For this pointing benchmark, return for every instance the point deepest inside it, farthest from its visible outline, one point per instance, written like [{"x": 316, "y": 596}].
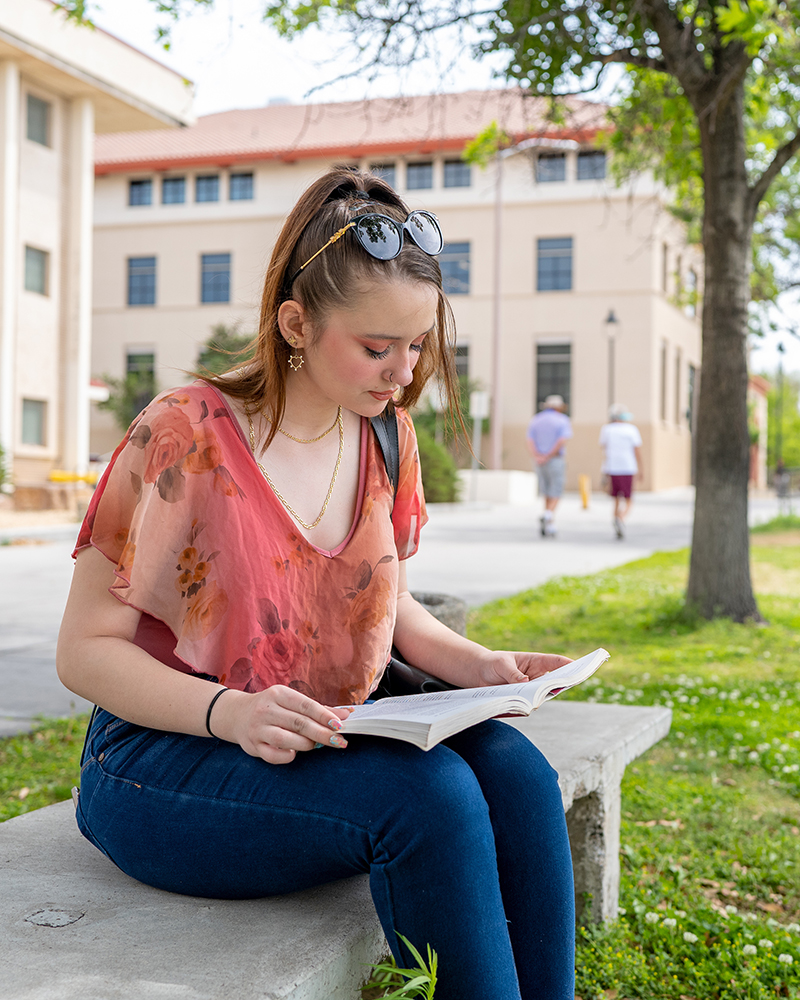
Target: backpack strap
[{"x": 385, "y": 427}]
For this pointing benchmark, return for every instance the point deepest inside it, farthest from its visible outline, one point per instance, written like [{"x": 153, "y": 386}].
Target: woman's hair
[{"x": 332, "y": 281}]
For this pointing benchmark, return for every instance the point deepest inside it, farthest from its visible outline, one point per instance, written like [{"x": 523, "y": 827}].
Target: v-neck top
[{"x": 227, "y": 585}]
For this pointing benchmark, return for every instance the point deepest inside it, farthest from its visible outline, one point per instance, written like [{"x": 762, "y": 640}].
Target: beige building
[
  {"x": 60, "y": 84},
  {"x": 595, "y": 296}
]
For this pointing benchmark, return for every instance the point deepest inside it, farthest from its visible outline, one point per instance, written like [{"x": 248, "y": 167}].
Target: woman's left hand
[{"x": 503, "y": 667}]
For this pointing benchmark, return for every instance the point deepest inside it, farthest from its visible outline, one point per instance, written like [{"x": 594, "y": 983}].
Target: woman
[{"x": 240, "y": 578}]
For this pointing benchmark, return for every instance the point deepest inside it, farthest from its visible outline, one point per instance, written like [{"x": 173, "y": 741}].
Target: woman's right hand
[{"x": 276, "y": 723}]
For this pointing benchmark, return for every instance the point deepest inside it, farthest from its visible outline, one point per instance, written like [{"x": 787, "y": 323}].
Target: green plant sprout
[{"x": 406, "y": 984}]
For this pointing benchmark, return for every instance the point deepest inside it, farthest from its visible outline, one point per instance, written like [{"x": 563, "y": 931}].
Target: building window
[
  {"x": 454, "y": 262},
  {"x": 141, "y": 281},
  {"x": 140, "y": 363},
  {"x": 215, "y": 277},
  {"x": 664, "y": 268},
  {"x": 386, "y": 171},
  {"x": 677, "y": 388},
  {"x": 34, "y": 413},
  {"x": 240, "y": 187},
  {"x": 554, "y": 264},
  {"x": 173, "y": 191},
  {"x": 551, "y": 167},
  {"x": 206, "y": 188},
  {"x": 457, "y": 174},
  {"x": 691, "y": 292},
  {"x": 419, "y": 176},
  {"x": 690, "y": 396},
  {"x": 591, "y": 165},
  {"x": 38, "y": 113},
  {"x": 462, "y": 360},
  {"x": 662, "y": 397},
  {"x": 140, "y": 192},
  {"x": 36, "y": 270},
  {"x": 140, "y": 367},
  {"x": 553, "y": 372}
]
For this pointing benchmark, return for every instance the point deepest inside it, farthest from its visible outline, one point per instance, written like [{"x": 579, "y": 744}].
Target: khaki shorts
[{"x": 551, "y": 477}]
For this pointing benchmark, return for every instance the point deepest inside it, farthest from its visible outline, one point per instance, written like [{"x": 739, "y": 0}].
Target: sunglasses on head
[{"x": 382, "y": 237}]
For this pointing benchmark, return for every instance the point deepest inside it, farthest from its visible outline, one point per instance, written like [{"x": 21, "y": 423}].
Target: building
[
  {"x": 595, "y": 297},
  {"x": 60, "y": 84}
]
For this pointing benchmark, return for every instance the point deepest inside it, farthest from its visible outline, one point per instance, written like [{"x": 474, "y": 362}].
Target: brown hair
[{"x": 331, "y": 281}]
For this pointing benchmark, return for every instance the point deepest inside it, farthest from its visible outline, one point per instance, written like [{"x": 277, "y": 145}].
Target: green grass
[
  {"x": 39, "y": 768},
  {"x": 711, "y": 816}
]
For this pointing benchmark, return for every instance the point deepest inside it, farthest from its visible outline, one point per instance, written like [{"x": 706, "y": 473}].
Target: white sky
[{"x": 237, "y": 61}]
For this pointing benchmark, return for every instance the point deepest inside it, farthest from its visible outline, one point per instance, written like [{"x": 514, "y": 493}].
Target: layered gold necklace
[{"x": 319, "y": 437}]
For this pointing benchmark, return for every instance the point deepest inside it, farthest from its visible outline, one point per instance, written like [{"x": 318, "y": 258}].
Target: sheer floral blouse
[{"x": 227, "y": 585}]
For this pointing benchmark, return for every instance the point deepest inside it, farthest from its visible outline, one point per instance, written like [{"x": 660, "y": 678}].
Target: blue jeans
[{"x": 465, "y": 845}]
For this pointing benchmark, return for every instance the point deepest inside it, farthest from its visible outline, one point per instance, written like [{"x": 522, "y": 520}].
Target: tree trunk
[{"x": 719, "y": 575}]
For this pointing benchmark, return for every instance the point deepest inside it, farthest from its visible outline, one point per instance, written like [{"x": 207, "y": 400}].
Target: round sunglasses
[{"x": 382, "y": 237}]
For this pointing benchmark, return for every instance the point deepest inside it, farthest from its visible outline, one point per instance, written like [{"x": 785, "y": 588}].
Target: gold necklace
[
  {"x": 319, "y": 437},
  {"x": 291, "y": 509}
]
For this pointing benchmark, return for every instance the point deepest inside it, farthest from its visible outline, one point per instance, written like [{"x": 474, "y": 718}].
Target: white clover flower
[
  {"x": 749, "y": 949},
  {"x": 752, "y": 755},
  {"x": 622, "y": 911},
  {"x": 785, "y": 959},
  {"x": 765, "y": 943},
  {"x": 712, "y": 753},
  {"x": 681, "y": 913},
  {"x": 691, "y": 938},
  {"x": 669, "y": 922},
  {"x": 731, "y": 909},
  {"x": 651, "y": 918},
  {"x": 793, "y": 927}
]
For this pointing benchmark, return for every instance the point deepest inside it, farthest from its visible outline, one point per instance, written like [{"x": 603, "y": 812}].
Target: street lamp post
[
  {"x": 611, "y": 323},
  {"x": 779, "y": 408}
]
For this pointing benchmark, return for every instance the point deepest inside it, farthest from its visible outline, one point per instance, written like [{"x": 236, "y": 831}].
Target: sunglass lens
[
  {"x": 425, "y": 232},
  {"x": 379, "y": 235}
]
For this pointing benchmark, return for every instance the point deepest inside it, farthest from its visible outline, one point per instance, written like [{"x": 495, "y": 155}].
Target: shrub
[{"x": 439, "y": 473}]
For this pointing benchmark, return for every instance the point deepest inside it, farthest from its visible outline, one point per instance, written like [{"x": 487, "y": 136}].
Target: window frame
[
  {"x": 456, "y": 256},
  {"x": 555, "y": 383},
  {"x": 142, "y": 274},
  {"x": 591, "y": 156},
  {"x": 31, "y": 100},
  {"x": 41, "y": 421},
  {"x": 171, "y": 183},
  {"x": 415, "y": 167},
  {"x": 236, "y": 177},
  {"x": 199, "y": 182},
  {"x": 44, "y": 259},
  {"x": 140, "y": 184},
  {"x": 552, "y": 253},
  {"x": 209, "y": 278},
  {"x": 548, "y": 157},
  {"x": 454, "y": 172},
  {"x": 383, "y": 169}
]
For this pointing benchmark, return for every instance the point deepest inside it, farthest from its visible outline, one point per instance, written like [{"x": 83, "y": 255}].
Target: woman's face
[{"x": 363, "y": 354}]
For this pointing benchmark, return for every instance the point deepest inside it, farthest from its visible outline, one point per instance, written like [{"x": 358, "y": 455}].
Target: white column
[
  {"x": 77, "y": 339},
  {"x": 9, "y": 252}
]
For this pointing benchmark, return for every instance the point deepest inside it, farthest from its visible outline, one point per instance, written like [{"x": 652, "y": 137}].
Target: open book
[{"x": 427, "y": 719}]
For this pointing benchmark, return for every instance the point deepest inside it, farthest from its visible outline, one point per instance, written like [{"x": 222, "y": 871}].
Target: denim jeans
[{"x": 465, "y": 845}]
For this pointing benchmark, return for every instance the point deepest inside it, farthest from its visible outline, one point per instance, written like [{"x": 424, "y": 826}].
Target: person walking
[
  {"x": 548, "y": 433},
  {"x": 622, "y": 444}
]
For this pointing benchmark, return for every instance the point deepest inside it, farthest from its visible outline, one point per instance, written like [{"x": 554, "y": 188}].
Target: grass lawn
[{"x": 710, "y": 892}]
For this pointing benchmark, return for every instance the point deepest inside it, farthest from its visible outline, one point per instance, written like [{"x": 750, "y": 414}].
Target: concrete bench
[{"x": 73, "y": 927}]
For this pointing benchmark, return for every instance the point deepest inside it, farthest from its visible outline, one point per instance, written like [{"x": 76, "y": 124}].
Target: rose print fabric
[{"x": 227, "y": 584}]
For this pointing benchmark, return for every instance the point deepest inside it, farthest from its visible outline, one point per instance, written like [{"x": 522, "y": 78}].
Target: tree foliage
[
  {"x": 225, "y": 348},
  {"x": 128, "y": 396}
]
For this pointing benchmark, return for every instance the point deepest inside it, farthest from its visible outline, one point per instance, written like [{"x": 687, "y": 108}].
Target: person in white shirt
[{"x": 622, "y": 444}]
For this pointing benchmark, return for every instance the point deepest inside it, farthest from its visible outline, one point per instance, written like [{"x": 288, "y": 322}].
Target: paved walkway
[{"x": 477, "y": 552}]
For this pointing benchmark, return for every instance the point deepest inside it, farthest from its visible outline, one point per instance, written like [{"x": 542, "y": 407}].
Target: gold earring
[{"x": 295, "y": 360}]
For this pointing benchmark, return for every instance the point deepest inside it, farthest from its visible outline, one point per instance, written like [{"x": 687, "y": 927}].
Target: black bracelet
[{"x": 210, "y": 707}]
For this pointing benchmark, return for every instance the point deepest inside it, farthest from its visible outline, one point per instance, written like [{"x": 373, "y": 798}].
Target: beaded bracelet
[{"x": 210, "y": 707}]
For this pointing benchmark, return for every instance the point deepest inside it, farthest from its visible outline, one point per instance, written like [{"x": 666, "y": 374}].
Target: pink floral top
[{"x": 227, "y": 585}]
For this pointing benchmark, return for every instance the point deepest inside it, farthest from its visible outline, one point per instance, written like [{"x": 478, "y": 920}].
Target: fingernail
[
  {"x": 338, "y": 741},
  {"x": 318, "y": 746},
  {"x": 334, "y": 724}
]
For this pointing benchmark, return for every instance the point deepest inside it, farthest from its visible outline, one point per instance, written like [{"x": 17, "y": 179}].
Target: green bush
[{"x": 439, "y": 474}]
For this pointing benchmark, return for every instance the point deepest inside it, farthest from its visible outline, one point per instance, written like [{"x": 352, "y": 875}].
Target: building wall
[{"x": 618, "y": 240}]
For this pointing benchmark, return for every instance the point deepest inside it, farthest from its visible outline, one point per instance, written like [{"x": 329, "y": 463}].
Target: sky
[{"x": 237, "y": 61}]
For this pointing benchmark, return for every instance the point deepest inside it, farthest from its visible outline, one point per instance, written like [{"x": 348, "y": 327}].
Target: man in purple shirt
[{"x": 548, "y": 432}]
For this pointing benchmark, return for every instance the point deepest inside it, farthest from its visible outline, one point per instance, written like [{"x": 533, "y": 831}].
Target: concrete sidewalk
[{"x": 476, "y": 552}]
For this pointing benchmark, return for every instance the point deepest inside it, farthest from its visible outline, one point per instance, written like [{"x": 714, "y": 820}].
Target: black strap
[{"x": 385, "y": 427}]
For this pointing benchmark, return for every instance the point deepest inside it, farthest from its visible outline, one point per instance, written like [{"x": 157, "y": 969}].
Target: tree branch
[
  {"x": 779, "y": 161},
  {"x": 628, "y": 57}
]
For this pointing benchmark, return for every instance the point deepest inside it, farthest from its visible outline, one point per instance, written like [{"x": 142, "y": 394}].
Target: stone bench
[{"x": 73, "y": 927}]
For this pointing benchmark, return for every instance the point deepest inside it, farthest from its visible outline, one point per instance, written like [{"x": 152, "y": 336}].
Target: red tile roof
[{"x": 348, "y": 130}]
